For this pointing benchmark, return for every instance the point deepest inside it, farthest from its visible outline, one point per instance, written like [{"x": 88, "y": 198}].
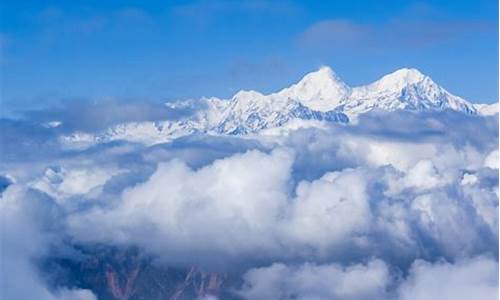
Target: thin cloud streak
[{"x": 347, "y": 35}]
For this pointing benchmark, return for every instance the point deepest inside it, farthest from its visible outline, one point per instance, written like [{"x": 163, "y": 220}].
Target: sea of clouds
[{"x": 399, "y": 206}]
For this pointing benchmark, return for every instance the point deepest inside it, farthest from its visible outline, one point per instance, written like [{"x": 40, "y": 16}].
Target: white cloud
[
  {"x": 243, "y": 204},
  {"x": 62, "y": 183},
  {"x": 475, "y": 278},
  {"x": 471, "y": 279},
  {"x": 65, "y": 294},
  {"x": 28, "y": 221},
  {"x": 309, "y": 281},
  {"x": 469, "y": 179},
  {"x": 329, "y": 211},
  {"x": 318, "y": 213},
  {"x": 228, "y": 207},
  {"x": 423, "y": 176},
  {"x": 491, "y": 161}
]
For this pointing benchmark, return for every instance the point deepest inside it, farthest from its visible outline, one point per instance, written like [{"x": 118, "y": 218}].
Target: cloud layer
[{"x": 383, "y": 209}]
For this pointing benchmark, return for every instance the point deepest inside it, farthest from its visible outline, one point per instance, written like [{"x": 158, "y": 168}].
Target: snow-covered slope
[
  {"x": 205, "y": 114},
  {"x": 250, "y": 112},
  {"x": 322, "y": 90},
  {"x": 487, "y": 109},
  {"x": 320, "y": 97},
  {"x": 404, "y": 89}
]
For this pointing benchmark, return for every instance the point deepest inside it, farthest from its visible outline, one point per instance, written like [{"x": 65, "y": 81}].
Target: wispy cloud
[
  {"x": 203, "y": 12},
  {"x": 57, "y": 19},
  {"x": 341, "y": 35}
]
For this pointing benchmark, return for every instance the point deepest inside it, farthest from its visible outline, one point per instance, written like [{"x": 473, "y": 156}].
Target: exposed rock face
[
  {"x": 125, "y": 274},
  {"x": 201, "y": 283},
  {"x": 118, "y": 290}
]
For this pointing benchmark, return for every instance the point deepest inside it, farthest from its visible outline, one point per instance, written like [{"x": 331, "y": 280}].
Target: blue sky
[{"x": 53, "y": 51}]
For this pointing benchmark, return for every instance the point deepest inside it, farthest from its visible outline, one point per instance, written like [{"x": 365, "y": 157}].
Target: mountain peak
[
  {"x": 408, "y": 74},
  {"x": 401, "y": 78},
  {"x": 321, "y": 90},
  {"x": 404, "y": 89},
  {"x": 324, "y": 75},
  {"x": 247, "y": 94}
]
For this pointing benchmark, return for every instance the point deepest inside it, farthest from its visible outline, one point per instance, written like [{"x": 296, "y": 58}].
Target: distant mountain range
[{"x": 320, "y": 97}]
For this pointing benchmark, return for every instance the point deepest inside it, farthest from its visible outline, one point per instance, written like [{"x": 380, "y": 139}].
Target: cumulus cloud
[
  {"x": 29, "y": 228},
  {"x": 214, "y": 210},
  {"x": 491, "y": 161},
  {"x": 371, "y": 210},
  {"x": 330, "y": 212},
  {"x": 61, "y": 183},
  {"x": 465, "y": 279},
  {"x": 309, "y": 281},
  {"x": 346, "y": 214},
  {"x": 470, "y": 279}
]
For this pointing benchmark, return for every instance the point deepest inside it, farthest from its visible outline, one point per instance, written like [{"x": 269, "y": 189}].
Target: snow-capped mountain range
[{"x": 319, "y": 97}]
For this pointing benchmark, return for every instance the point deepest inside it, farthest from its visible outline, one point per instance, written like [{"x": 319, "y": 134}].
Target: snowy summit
[{"x": 319, "y": 97}]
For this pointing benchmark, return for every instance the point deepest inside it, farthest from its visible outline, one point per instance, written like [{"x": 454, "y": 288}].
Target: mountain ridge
[
  {"x": 405, "y": 88},
  {"x": 320, "y": 96}
]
